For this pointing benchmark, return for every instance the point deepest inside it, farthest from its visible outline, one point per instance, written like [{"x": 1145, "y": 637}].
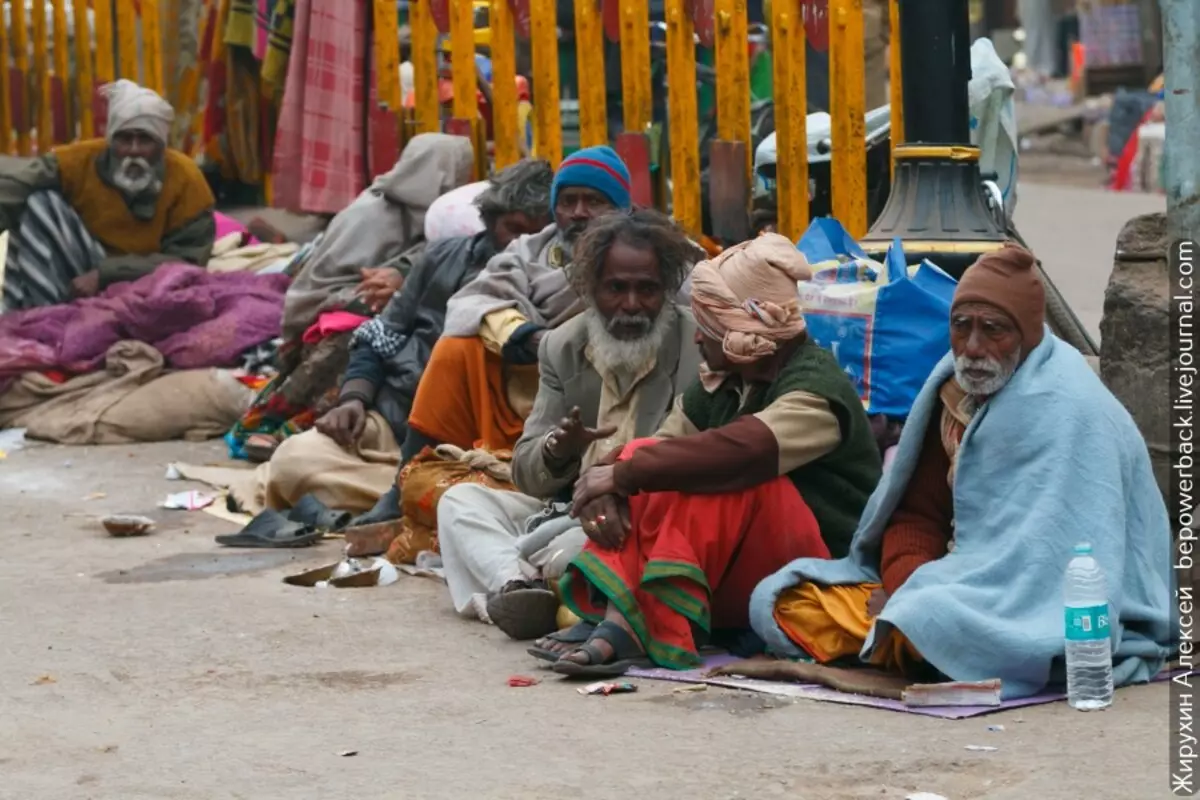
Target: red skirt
[{"x": 692, "y": 559}]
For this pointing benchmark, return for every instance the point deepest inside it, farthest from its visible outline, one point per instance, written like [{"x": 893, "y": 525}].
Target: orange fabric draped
[{"x": 462, "y": 398}]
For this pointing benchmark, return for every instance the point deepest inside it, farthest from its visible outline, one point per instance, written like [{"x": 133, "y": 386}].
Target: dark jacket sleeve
[{"x": 192, "y": 243}]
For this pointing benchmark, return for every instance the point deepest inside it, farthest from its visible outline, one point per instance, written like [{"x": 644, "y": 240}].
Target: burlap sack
[{"x": 426, "y": 478}]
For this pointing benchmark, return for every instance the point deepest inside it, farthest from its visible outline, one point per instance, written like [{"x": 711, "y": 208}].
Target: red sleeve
[
  {"x": 730, "y": 458},
  {"x": 920, "y": 528}
]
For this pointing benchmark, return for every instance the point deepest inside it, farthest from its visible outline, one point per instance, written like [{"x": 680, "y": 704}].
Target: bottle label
[{"x": 1087, "y": 624}]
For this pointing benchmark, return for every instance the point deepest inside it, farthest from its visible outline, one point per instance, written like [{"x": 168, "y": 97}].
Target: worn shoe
[{"x": 524, "y": 610}]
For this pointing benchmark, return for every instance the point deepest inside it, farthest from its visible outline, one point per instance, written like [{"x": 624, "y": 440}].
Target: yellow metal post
[
  {"x": 733, "y": 74},
  {"x": 387, "y": 55},
  {"x": 41, "y": 77},
  {"x": 847, "y": 100},
  {"x": 895, "y": 85},
  {"x": 83, "y": 71},
  {"x": 635, "y": 64},
  {"x": 682, "y": 111},
  {"x": 105, "y": 70},
  {"x": 152, "y": 47},
  {"x": 21, "y": 43},
  {"x": 424, "y": 61},
  {"x": 505, "y": 131},
  {"x": 6, "y": 117},
  {"x": 589, "y": 55},
  {"x": 127, "y": 39},
  {"x": 791, "y": 106},
  {"x": 462, "y": 60},
  {"x": 547, "y": 117}
]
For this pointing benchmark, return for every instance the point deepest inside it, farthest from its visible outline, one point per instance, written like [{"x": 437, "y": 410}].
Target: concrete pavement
[{"x": 1074, "y": 232}]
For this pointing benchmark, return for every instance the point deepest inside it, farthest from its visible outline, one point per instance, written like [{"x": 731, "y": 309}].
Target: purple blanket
[{"x": 193, "y": 317}]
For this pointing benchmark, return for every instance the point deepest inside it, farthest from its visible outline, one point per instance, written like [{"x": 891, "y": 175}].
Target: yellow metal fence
[
  {"x": 729, "y": 28},
  {"x": 56, "y": 53}
]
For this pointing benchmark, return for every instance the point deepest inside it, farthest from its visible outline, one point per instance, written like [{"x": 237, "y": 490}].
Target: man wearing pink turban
[{"x": 769, "y": 454}]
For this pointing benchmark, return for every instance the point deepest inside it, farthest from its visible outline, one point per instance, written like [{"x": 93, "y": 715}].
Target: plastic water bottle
[{"x": 1088, "y": 633}]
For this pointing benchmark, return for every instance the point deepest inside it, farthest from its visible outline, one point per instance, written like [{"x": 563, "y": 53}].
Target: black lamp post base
[{"x": 937, "y": 208}]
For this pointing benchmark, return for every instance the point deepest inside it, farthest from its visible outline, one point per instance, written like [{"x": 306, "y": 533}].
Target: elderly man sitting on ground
[
  {"x": 1013, "y": 454},
  {"x": 90, "y": 214},
  {"x": 608, "y": 376},
  {"x": 482, "y": 376},
  {"x": 350, "y": 459},
  {"x": 767, "y": 457}
]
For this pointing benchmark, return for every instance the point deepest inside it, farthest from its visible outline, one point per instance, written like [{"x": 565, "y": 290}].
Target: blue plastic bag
[{"x": 887, "y": 325}]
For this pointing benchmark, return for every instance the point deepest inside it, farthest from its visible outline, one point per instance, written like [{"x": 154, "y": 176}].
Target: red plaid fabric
[{"x": 318, "y": 165}]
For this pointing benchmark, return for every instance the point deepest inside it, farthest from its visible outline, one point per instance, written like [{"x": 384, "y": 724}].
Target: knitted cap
[
  {"x": 1008, "y": 279},
  {"x": 598, "y": 168}
]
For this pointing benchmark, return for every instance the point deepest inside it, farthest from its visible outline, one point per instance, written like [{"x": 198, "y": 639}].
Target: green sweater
[{"x": 835, "y": 486}]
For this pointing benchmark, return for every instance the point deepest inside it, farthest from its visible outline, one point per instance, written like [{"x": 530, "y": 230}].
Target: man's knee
[
  {"x": 461, "y": 500},
  {"x": 298, "y": 455}
]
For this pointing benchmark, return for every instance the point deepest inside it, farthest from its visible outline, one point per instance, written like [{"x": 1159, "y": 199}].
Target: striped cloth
[
  {"x": 319, "y": 155},
  {"x": 50, "y": 248}
]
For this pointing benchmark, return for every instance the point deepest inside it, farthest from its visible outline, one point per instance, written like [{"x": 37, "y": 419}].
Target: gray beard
[
  {"x": 627, "y": 357},
  {"x": 979, "y": 389},
  {"x": 135, "y": 176}
]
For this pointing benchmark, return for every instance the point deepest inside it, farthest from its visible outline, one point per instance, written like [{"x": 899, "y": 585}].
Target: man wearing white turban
[{"x": 93, "y": 213}]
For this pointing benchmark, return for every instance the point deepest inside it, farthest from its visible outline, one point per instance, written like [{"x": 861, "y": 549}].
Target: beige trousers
[{"x": 346, "y": 480}]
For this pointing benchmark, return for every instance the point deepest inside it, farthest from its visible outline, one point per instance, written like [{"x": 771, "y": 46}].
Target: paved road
[{"x": 1074, "y": 232}]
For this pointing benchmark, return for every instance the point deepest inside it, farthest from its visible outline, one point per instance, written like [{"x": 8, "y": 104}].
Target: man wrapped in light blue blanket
[{"x": 1014, "y": 453}]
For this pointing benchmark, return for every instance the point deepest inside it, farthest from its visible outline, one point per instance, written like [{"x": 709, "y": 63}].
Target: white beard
[
  {"x": 134, "y": 175},
  {"x": 628, "y": 356},
  {"x": 999, "y": 374}
]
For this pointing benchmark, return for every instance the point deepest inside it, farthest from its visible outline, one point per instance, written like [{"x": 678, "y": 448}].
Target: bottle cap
[{"x": 1083, "y": 549}]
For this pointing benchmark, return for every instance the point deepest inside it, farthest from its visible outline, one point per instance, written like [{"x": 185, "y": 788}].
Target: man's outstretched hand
[
  {"x": 344, "y": 424},
  {"x": 570, "y": 440}
]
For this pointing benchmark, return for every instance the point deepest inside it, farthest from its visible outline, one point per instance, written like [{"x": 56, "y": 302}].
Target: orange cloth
[
  {"x": 185, "y": 195},
  {"x": 462, "y": 397},
  {"x": 831, "y": 622}
]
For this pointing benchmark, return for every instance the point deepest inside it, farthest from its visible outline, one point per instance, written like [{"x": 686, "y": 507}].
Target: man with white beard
[
  {"x": 102, "y": 211},
  {"x": 608, "y": 376},
  {"x": 1014, "y": 453}
]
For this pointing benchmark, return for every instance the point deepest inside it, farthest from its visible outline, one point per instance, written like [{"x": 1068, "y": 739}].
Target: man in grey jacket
[{"x": 607, "y": 376}]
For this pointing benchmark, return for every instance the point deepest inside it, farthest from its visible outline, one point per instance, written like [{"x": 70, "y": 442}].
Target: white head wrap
[{"x": 133, "y": 107}]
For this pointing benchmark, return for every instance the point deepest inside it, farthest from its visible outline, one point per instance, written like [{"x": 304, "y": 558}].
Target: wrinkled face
[
  {"x": 137, "y": 154},
  {"x": 629, "y": 292},
  {"x": 713, "y": 352},
  {"x": 986, "y": 345},
  {"x": 136, "y": 144},
  {"x": 575, "y": 207},
  {"x": 515, "y": 223}
]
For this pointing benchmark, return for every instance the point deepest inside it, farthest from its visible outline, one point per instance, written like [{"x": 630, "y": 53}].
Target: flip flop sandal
[
  {"x": 312, "y": 512},
  {"x": 272, "y": 530},
  {"x": 576, "y": 634},
  {"x": 627, "y": 653},
  {"x": 524, "y": 614}
]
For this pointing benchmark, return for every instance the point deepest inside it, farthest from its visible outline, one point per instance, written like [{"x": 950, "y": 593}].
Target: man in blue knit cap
[{"x": 482, "y": 376}]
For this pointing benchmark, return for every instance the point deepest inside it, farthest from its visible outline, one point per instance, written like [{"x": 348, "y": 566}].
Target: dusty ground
[{"x": 166, "y": 667}]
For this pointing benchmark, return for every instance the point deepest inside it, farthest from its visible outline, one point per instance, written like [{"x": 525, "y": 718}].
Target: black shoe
[
  {"x": 386, "y": 509},
  {"x": 312, "y": 512}
]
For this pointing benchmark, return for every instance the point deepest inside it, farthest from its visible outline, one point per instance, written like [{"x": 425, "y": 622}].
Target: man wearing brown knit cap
[{"x": 1013, "y": 453}]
